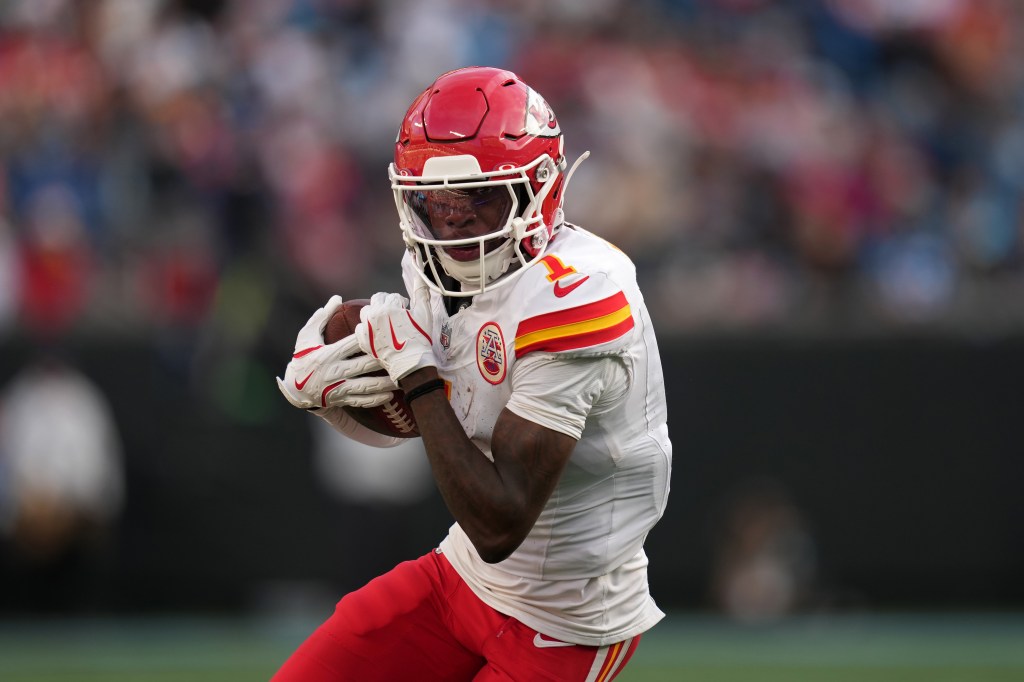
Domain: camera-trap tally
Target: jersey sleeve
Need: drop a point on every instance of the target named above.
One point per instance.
(594, 318)
(559, 392)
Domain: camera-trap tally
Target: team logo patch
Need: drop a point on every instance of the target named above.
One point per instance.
(490, 353)
(540, 119)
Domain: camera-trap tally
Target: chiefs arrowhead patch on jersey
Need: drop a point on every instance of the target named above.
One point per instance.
(490, 353)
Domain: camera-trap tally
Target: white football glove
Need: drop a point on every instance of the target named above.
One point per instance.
(329, 375)
(390, 333)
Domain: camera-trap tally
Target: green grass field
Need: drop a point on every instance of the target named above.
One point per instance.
(897, 648)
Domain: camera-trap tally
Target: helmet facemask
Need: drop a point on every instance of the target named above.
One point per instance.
(504, 232)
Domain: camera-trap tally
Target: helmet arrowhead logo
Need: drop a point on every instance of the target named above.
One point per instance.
(540, 119)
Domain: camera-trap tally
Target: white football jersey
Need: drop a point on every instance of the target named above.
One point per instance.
(570, 346)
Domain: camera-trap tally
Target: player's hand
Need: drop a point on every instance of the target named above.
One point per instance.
(390, 332)
(325, 375)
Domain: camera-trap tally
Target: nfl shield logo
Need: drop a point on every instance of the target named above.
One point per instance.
(446, 335)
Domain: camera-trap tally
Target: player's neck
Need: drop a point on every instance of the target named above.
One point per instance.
(453, 304)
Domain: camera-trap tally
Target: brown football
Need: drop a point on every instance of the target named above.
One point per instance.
(393, 418)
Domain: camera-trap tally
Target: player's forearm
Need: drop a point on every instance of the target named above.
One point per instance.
(490, 505)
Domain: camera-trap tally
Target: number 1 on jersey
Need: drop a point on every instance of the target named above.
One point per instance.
(556, 268)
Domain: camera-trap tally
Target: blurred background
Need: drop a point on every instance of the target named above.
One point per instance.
(825, 203)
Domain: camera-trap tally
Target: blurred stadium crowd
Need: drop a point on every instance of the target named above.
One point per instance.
(835, 164)
(183, 181)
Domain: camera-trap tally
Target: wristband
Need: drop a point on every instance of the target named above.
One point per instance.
(425, 387)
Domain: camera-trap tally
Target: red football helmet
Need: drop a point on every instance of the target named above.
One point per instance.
(481, 143)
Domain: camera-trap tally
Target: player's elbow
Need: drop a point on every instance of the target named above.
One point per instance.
(495, 548)
(498, 530)
(494, 555)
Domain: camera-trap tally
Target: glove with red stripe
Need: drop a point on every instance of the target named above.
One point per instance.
(393, 334)
(328, 375)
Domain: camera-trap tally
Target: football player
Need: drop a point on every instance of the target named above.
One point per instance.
(529, 360)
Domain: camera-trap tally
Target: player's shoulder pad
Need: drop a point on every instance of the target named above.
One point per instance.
(576, 299)
(409, 274)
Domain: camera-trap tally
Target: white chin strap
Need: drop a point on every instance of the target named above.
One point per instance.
(490, 267)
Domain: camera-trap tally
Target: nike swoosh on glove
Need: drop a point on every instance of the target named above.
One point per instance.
(330, 375)
(389, 332)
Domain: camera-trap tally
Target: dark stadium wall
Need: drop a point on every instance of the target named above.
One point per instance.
(901, 458)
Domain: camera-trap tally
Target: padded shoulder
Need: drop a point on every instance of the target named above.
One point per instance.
(409, 275)
(576, 299)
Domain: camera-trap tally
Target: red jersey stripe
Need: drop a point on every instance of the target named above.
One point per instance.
(582, 313)
(575, 341)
